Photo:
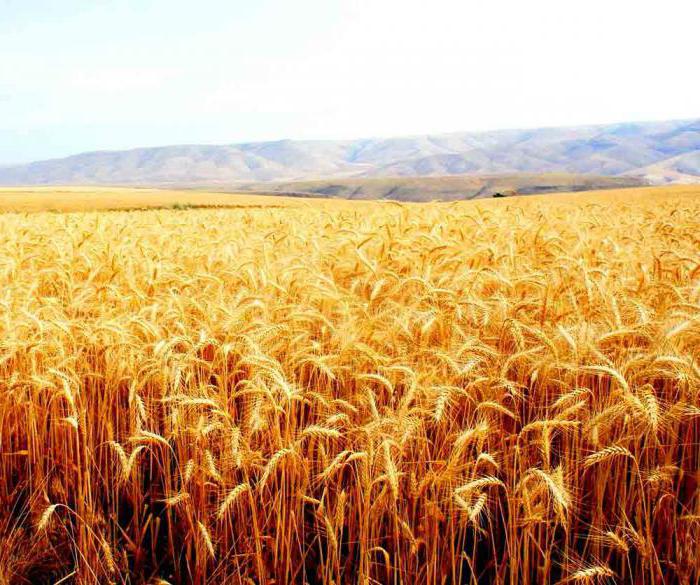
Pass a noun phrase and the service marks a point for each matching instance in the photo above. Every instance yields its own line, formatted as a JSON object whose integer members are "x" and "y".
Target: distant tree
{"x": 498, "y": 194}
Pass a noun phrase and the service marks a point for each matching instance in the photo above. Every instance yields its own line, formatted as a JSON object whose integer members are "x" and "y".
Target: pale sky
{"x": 106, "y": 74}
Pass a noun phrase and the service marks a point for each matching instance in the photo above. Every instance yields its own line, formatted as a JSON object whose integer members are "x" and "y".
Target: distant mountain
{"x": 657, "y": 151}
{"x": 684, "y": 168}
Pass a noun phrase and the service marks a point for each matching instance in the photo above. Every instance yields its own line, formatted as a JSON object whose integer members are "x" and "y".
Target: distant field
{"x": 440, "y": 188}
{"x": 108, "y": 198}
{"x": 282, "y": 391}
{"x": 64, "y": 199}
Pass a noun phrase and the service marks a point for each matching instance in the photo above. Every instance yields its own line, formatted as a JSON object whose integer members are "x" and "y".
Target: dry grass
{"x": 504, "y": 391}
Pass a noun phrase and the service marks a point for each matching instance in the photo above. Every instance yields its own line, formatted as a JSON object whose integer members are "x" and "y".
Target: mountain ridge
{"x": 659, "y": 152}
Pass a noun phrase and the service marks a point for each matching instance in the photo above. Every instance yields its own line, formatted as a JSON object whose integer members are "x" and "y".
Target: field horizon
{"x": 77, "y": 198}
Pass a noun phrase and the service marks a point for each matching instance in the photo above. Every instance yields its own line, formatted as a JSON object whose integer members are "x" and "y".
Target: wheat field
{"x": 71, "y": 199}
{"x": 501, "y": 391}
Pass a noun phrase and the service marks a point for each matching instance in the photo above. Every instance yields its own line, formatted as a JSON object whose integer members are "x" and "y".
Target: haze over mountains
{"x": 655, "y": 152}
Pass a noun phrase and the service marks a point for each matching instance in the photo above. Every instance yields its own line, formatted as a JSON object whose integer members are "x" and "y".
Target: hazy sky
{"x": 98, "y": 74}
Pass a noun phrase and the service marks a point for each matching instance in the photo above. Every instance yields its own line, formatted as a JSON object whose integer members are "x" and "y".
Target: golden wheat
{"x": 503, "y": 392}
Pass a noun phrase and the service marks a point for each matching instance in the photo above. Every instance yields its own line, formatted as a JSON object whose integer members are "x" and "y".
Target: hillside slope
{"x": 639, "y": 149}
{"x": 445, "y": 188}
